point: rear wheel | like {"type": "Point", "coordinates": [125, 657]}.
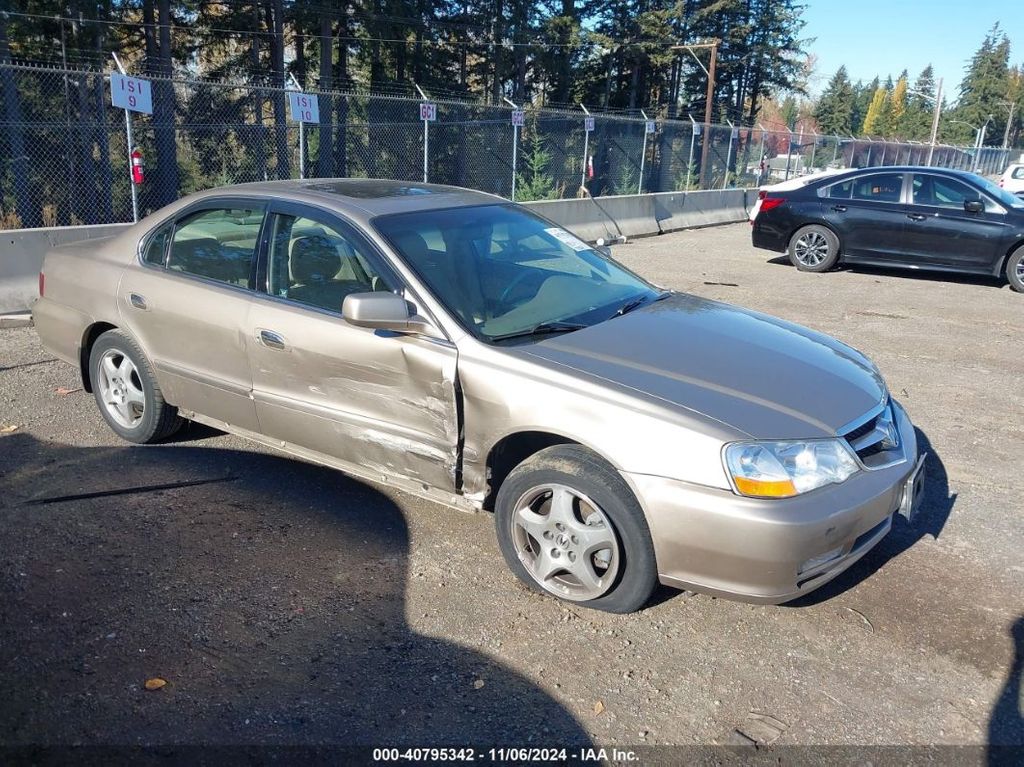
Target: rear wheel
{"type": "Point", "coordinates": [568, 525]}
{"type": "Point", "coordinates": [126, 390]}
{"type": "Point", "coordinates": [1015, 269]}
{"type": "Point", "coordinates": [814, 248]}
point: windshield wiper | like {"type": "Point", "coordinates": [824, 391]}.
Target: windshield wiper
{"type": "Point", "coordinates": [636, 303]}
{"type": "Point", "coordinates": [542, 329]}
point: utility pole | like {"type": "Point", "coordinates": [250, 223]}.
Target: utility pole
{"type": "Point", "coordinates": [709, 99]}
{"type": "Point", "coordinates": [935, 121]}
{"type": "Point", "coordinates": [1012, 106]}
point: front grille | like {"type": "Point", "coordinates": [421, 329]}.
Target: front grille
{"type": "Point", "coordinates": [876, 441]}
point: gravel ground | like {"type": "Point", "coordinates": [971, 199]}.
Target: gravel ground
{"type": "Point", "coordinates": [286, 603]}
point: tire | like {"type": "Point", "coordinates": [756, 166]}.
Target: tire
{"type": "Point", "coordinates": [814, 248]}
{"type": "Point", "coordinates": [612, 550]}
{"type": "Point", "coordinates": [1015, 270]}
{"type": "Point", "coordinates": [126, 391]}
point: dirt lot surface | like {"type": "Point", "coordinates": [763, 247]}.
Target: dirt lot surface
{"type": "Point", "coordinates": [287, 603]}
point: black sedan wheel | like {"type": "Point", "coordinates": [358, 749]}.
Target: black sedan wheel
{"type": "Point", "coordinates": [814, 249]}
{"type": "Point", "coordinates": [1015, 270]}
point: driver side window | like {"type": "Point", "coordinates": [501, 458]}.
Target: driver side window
{"type": "Point", "coordinates": [314, 263]}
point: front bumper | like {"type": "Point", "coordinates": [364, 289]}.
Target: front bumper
{"type": "Point", "coordinates": [755, 550]}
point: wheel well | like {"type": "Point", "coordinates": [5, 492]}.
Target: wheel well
{"type": "Point", "coordinates": [511, 451]}
{"type": "Point", "coordinates": [92, 332]}
{"type": "Point", "coordinates": [1001, 269]}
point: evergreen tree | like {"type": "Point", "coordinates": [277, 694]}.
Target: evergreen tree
{"type": "Point", "coordinates": [985, 86]}
{"type": "Point", "coordinates": [834, 112]}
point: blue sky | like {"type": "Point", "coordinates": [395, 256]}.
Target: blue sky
{"type": "Point", "coordinates": [886, 36]}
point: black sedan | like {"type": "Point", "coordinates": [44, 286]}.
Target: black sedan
{"type": "Point", "coordinates": [913, 217]}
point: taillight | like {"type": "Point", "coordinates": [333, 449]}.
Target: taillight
{"type": "Point", "coordinates": [767, 203]}
{"type": "Point", "coordinates": [762, 194]}
{"type": "Point", "coordinates": [42, 284]}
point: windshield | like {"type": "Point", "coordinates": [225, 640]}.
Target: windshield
{"type": "Point", "coordinates": [505, 272]}
{"type": "Point", "coordinates": [1004, 197]}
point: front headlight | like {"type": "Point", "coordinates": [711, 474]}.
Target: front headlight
{"type": "Point", "coordinates": [784, 469]}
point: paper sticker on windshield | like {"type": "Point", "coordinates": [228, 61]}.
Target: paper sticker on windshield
{"type": "Point", "coordinates": [571, 240]}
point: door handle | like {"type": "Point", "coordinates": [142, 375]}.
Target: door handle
{"type": "Point", "coordinates": [916, 216]}
{"type": "Point", "coordinates": [839, 208]}
{"type": "Point", "coordinates": [139, 302]}
{"type": "Point", "coordinates": [271, 340]}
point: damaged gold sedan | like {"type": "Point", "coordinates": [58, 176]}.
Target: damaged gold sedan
{"type": "Point", "coordinates": [465, 350]}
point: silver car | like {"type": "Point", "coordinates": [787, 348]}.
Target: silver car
{"type": "Point", "coordinates": [463, 349]}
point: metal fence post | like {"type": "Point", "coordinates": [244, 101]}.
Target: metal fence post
{"type": "Point", "coordinates": [586, 147]}
{"type": "Point", "coordinates": [643, 156]}
{"type": "Point", "coordinates": [728, 155]}
{"type": "Point", "coordinates": [128, 139]}
{"type": "Point", "coordinates": [689, 163]}
{"type": "Point", "coordinates": [515, 145]}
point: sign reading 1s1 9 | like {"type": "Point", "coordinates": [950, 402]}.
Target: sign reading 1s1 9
{"type": "Point", "coordinates": [131, 93]}
{"type": "Point", "coordinates": [304, 107]}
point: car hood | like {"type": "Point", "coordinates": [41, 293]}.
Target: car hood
{"type": "Point", "coordinates": [762, 376]}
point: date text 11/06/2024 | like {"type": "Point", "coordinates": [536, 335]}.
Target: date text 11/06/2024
{"type": "Point", "coordinates": [503, 754]}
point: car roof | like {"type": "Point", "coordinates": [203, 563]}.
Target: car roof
{"type": "Point", "coordinates": [361, 198]}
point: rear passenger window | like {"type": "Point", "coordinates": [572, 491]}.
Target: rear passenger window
{"type": "Point", "coordinates": [1018, 172]}
{"type": "Point", "coordinates": [881, 187]}
{"type": "Point", "coordinates": [840, 191]}
{"type": "Point", "coordinates": [156, 248]}
{"type": "Point", "coordinates": [217, 244]}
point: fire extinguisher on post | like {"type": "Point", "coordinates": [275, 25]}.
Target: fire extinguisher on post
{"type": "Point", "coordinates": [138, 170]}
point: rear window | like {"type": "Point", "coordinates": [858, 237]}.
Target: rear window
{"type": "Point", "coordinates": [880, 187]}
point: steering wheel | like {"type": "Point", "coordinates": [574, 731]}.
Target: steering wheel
{"type": "Point", "coordinates": [515, 282]}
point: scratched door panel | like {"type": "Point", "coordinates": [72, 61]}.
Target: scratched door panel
{"type": "Point", "coordinates": [380, 400]}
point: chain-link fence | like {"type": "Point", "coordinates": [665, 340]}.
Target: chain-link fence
{"type": "Point", "coordinates": [64, 150]}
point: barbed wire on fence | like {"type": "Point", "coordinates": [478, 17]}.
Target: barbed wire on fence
{"type": "Point", "coordinates": [64, 150]}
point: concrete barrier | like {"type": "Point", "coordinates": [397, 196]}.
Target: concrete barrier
{"type": "Point", "coordinates": [21, 258]}
{"type": "Point", "coordinates": [636, 215]}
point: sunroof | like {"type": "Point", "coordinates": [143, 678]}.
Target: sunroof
{"type": "Point", "coordinates": [370, 188]}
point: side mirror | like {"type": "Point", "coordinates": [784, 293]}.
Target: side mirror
{"type": "Point", "coordinates": [604, 250]}
{"type": "Point", "coordinates": [974, 206]}
{"type": "Point", "coordinates": [385, 311]}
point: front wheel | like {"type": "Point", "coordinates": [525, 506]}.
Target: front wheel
{"type": "Point", "coordinates": [814, 249]}
{"type": "Point", "coordinates": [1015, 270]}
{"type": "Point", "coordinates": [127, 392]}
{"type": "Point", "coordinates": [568, 525]}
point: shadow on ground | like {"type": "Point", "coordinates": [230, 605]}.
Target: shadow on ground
{"type": "Point", "coordinates": [271, 600]}
{"type": "Point", "coordinates": [1006, 723]}
{"type": "Point", "coordinates": [930, 519]}
{"type": "Point", "coordinates": [911, 274]}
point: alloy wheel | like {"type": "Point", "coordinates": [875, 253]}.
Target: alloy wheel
{"type": "Point", "coordinates": [121, 388]}
{"type": "Point", "coordinates": [566, 542]}
{"type": "Point", "coordinates": [811, 248]}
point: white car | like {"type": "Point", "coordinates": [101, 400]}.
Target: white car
{"type": "Point", "coordinates": [1013, 179]}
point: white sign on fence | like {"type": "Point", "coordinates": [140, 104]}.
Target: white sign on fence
{"type": "Point", "coordinates": [304, 107]}
{"type": "Point", "coordinates": [428, 111]}
{"type": "Point", "coordinates": [518, 118]}
{"type": "Point", "coordinates": [588, 124]}
{"type": "Point", "coordinates": [651, 127]}
{"type": "Point", "coordinates": [132, 93]}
